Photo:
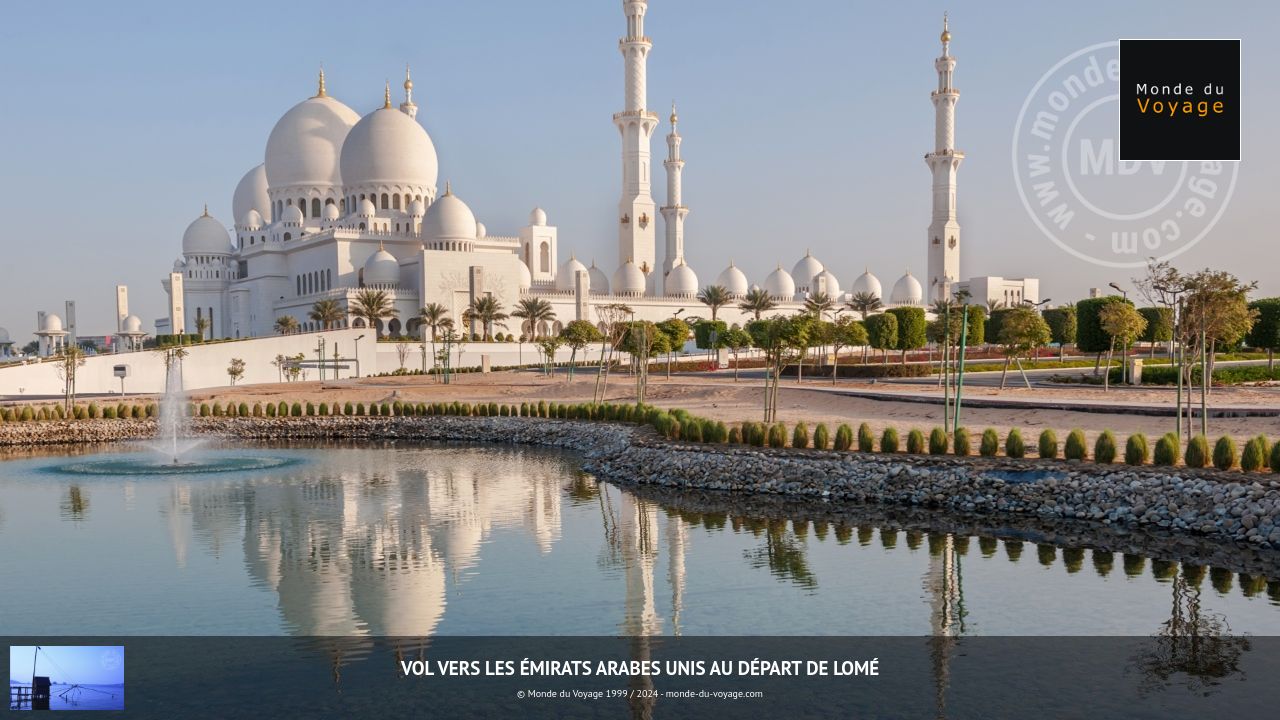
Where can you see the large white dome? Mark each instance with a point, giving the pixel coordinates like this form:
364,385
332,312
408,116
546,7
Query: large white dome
682,282
568,274
526,277
833,284
206,236
907,291
389,148
599,281
305,145
251,194
449,218
628,280
381,269
733,280
805,270
868,283
779,285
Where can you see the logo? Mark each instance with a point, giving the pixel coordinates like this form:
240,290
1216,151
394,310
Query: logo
1072,182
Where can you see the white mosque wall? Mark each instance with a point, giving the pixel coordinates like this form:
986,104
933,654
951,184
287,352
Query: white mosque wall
204,367
500,355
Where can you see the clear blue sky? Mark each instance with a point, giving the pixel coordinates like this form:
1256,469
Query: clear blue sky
76,664
804,125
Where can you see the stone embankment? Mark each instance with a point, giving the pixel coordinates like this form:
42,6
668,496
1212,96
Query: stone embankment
1231,507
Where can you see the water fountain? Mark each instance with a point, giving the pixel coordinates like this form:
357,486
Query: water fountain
172,431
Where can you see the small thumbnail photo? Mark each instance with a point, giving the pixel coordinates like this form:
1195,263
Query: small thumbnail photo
66,677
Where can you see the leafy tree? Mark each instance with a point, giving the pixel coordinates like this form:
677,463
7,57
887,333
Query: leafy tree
714,297
882,332
677,332
327,313
864,302
68,363
235,370
1090,337
1265,333
286,325
703,331
912,329
374,306
1122,323
780,338
757,302
736,340
1062,326
1217,310
1022,332
577,335
845,332
1159,326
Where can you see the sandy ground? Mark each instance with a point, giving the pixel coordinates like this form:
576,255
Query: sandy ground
812,401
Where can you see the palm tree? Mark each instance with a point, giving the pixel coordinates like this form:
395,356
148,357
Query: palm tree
488,312
432,317
533,312
714,297
994,304
373,306
864,303
757,302
326,312
818,305
202,327
286,324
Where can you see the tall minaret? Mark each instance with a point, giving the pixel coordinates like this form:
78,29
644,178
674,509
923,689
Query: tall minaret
674,212
944,161
636,221
407,107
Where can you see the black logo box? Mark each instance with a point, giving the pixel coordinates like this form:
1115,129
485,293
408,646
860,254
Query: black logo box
1186,68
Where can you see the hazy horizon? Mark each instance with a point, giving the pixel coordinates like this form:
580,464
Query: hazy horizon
804,127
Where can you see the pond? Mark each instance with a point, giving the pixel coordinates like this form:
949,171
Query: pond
452,539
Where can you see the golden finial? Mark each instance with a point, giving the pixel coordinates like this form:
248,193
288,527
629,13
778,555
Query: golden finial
674,118
386,96
946,33
448,187
408,81
206,210
320,92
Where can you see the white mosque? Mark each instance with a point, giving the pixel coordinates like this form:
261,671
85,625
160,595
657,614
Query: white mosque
343,202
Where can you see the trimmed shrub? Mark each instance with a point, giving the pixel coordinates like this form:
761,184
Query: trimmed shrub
721,433
360,408
1076,448
348,409
915,442
937,441
257,409
311,409
735,436
989,446
866,439
243,409
542,409
1136,451
1266,449
1104,449
1047,447
1224,453
1254,457
844,437
271,409
693,433
282,409
386,410
231,410
800,436
1274,463
153,410
1197,452
139,412
204,410
108,413
757,434
821,437
296,409
123,411
1166,452
94,411
889,440
1014,446
778,436
960,443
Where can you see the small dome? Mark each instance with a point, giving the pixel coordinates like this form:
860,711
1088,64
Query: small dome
568,274
381,269
331,212
133,324
628,280
526,277
179,264
868,283
251,220
682,282
449,218
251,194
206,236
367,208
292,215
387,147
907,291
52,324
805,270
305,144
780,285
833,285
481,230
599,281
538,217
417,208
733,280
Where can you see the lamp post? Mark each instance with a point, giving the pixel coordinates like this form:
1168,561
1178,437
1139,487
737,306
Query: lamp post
1172,292
1124,351
358,339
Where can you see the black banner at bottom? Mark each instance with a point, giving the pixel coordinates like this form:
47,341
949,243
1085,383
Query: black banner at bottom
658,677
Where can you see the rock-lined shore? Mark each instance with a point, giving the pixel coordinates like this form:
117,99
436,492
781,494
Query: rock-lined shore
1224,507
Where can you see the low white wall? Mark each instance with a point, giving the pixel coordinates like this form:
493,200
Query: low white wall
500,355
204,367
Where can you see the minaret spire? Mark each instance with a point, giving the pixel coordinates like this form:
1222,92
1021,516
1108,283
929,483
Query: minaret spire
944,163
320,91
386,97
674,212
636,125
407,107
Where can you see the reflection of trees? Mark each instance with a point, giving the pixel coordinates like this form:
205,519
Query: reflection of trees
1193,647
784,554
76,506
